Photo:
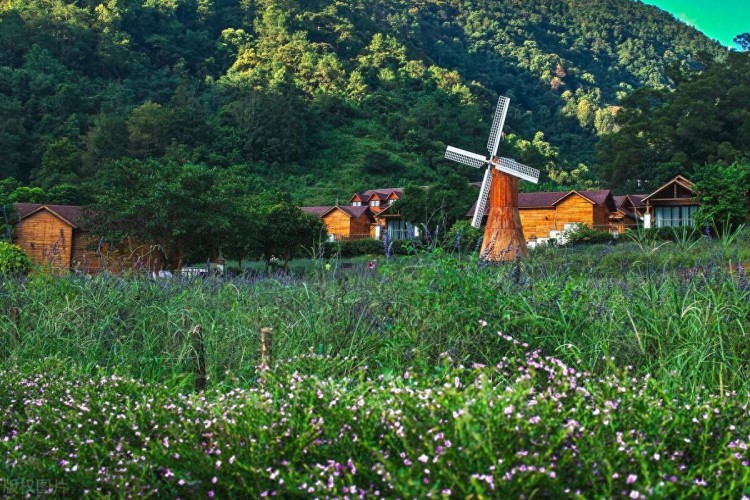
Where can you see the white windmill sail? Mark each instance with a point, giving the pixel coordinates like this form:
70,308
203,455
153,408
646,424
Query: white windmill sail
484,195
516,169
465,157
497,125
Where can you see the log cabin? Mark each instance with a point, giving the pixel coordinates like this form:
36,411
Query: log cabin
345,222
545,215
672,205
368,215
56,236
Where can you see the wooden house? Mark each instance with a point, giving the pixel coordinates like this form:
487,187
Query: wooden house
545,215
629,213
672,205
56,236
368,215
345,222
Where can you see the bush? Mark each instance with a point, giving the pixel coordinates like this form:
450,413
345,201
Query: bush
13,260
355,248
581,234
463,237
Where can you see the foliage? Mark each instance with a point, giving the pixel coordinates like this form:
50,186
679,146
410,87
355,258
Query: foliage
284,88
463,237
355,248
13,260
723,191
598,368
439,205
285,229
663,133
532,423
581,234
188,210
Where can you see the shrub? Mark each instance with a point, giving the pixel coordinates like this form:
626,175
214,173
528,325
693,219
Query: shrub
463,237
13,260
584,235
355,248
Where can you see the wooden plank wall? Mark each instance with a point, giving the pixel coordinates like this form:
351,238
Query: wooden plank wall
46,239
574,209
338,223
537,222
90,257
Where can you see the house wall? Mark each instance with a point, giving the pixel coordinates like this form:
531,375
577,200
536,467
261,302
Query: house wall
90,257
575,209
338,224
360,227
46,239
537,222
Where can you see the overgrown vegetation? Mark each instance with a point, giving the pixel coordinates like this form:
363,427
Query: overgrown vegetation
389,377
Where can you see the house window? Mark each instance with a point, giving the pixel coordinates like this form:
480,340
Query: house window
675,216
391,202
357,204
375,203
398,230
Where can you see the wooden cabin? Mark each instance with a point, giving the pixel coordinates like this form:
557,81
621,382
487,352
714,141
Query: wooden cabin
368,215
629,213
56,236
672,205
345,222
544,215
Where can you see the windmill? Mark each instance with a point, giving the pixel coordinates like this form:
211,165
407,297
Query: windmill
503,235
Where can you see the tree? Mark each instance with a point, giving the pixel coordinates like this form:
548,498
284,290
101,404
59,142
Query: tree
743,41
187,210
723,194
285,229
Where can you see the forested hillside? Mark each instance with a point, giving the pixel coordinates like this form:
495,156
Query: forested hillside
321,97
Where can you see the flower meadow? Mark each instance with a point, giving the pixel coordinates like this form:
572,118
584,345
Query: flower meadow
589,372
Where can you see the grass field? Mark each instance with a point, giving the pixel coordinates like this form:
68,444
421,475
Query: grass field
600,370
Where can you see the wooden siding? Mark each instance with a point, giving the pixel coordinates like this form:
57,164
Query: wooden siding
342,226
575,209
46,239
537,222
91,257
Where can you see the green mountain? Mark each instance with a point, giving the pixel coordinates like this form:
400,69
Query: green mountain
322,97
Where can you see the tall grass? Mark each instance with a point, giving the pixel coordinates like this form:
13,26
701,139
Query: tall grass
676,312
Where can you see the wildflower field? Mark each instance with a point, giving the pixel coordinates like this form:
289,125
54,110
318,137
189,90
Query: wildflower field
600,371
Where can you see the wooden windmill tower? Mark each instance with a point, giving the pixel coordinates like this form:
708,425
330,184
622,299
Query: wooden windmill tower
503,236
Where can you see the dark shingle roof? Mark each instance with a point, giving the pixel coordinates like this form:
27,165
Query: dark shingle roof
355,212
551,198
384,193
70,213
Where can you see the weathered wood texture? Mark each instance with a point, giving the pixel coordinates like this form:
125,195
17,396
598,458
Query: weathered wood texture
46,239
503,235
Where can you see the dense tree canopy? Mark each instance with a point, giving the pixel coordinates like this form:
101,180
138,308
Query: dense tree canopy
664,133
303,94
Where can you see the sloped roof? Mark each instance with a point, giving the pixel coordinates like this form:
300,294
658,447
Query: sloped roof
322,211
635,199
680,180
70,214
548,199
383,193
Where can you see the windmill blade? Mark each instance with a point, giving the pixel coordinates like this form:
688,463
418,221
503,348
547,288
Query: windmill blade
516,169
497,125
484,195
465,157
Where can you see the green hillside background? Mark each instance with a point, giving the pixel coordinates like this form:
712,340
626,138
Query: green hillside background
321,98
